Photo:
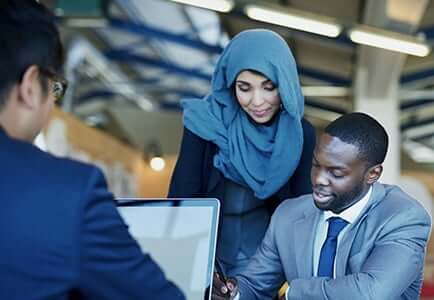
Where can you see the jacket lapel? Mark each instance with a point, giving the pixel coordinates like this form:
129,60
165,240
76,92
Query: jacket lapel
304,231
345,246
347,241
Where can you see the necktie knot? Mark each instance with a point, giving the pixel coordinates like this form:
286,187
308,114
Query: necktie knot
336,225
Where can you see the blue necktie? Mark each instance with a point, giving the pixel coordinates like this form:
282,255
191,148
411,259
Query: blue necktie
328,250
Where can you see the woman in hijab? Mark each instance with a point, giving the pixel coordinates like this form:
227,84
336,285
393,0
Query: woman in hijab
246,143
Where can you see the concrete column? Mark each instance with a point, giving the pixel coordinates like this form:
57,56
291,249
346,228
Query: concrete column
383,106
378,71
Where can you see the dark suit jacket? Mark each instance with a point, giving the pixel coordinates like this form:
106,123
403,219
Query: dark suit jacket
191,177
61,236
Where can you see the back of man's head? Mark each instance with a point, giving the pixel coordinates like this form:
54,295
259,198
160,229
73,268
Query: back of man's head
364,132
28,36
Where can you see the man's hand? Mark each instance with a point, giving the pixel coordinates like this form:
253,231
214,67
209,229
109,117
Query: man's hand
224,290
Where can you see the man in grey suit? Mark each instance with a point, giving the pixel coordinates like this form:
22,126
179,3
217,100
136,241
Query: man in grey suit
353,238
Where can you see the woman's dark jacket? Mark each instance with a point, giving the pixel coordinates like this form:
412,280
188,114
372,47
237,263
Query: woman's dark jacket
191,177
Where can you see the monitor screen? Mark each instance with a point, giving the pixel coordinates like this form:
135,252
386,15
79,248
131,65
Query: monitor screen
180,235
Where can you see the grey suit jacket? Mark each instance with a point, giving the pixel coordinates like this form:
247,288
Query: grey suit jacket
381,256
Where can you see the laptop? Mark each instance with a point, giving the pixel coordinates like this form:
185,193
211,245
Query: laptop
180,235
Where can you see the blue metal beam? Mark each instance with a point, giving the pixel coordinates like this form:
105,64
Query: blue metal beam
95,94
134,45
424,137
415,76
125,56
145,81
412,124
316,103
428,32
152,32
104,93
181,93
172,106
324,76
415,103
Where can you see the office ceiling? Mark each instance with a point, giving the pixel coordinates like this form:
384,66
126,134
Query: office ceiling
131,61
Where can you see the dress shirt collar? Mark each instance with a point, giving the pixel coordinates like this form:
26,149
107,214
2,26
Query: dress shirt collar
352,212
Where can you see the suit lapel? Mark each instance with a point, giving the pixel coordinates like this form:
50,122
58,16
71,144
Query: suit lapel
304,231
345,246
346,243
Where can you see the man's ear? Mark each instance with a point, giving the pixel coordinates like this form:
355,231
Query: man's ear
29,87
374,174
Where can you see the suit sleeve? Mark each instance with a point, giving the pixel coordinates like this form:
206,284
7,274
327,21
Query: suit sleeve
264,274
112,265
394,264
187,179
300,181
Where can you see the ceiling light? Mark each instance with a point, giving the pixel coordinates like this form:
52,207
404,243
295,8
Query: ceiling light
388,40
217,5
154,156
157,164
294,19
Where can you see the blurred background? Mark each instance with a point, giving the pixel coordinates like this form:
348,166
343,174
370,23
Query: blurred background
130,62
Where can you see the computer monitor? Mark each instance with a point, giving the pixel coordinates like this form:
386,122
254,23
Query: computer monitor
180,235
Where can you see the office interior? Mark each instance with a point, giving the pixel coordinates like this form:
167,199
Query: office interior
130,62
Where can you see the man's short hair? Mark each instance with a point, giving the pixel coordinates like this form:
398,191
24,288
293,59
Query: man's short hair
28,36
364,132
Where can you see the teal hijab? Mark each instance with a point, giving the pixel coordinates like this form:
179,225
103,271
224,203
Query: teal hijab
261,157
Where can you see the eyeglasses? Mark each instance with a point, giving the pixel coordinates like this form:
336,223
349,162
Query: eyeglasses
59,84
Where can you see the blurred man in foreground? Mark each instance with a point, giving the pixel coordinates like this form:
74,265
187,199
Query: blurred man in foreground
61,236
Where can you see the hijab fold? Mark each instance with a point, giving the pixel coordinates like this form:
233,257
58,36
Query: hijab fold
261,157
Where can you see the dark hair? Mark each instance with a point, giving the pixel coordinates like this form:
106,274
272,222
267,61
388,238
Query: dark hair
364,132
28,36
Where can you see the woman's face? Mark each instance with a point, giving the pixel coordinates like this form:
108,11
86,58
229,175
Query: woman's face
257,96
